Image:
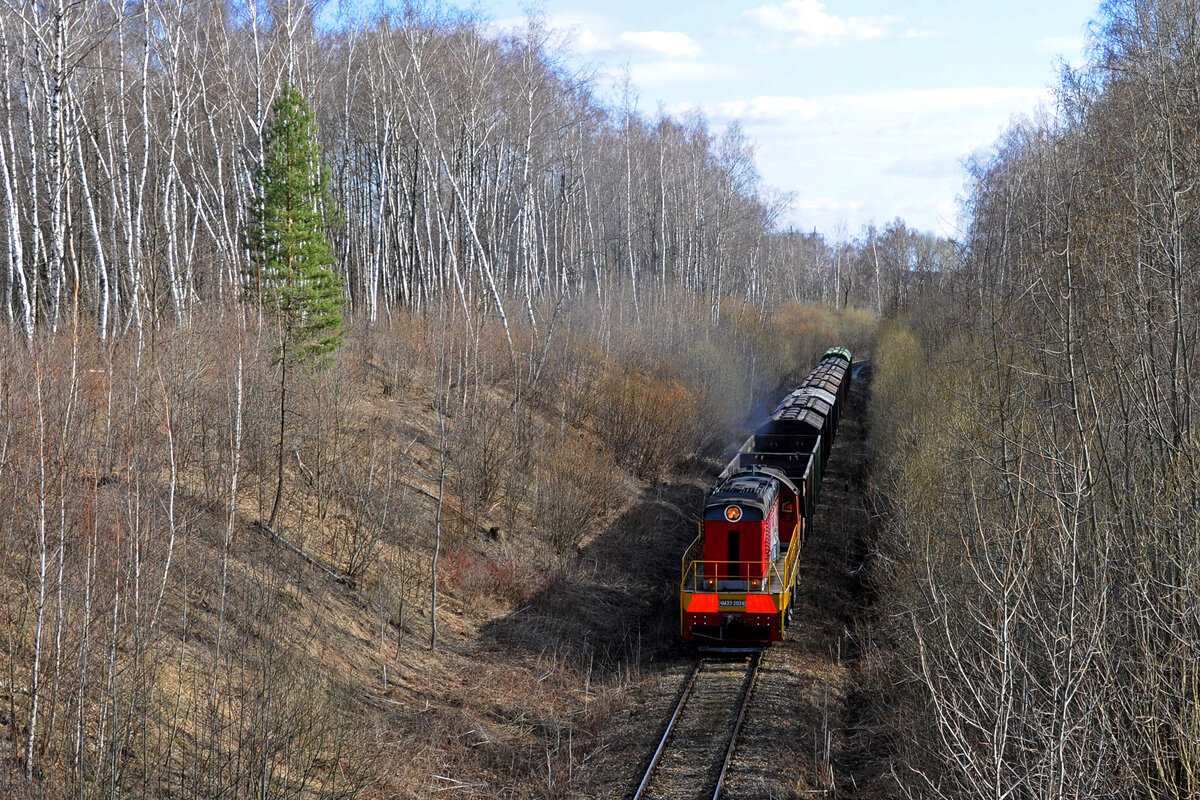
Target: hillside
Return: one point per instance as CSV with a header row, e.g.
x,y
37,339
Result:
x,y
158,637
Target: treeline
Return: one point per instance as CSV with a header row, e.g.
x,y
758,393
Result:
x,y
1038,448
467,166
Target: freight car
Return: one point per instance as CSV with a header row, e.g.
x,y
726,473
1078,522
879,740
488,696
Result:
x,y
739,575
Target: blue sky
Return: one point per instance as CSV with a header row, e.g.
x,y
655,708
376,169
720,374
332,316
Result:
x,y
863,110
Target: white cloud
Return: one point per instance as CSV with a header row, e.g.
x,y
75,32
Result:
x,y
931,167
587,41
769,110
664,71
587,33
662,43
654,58
926,101
595,35
829,205
808,24
925,112
874,155
916,33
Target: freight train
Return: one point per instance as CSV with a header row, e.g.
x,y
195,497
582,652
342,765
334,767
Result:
x,y
739,575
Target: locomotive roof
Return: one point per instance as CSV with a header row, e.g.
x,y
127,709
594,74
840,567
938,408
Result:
x,y
756,486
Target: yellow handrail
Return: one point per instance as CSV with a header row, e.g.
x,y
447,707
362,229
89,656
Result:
x,y
695,572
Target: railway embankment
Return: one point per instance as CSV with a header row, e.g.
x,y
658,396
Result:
x,y
800,730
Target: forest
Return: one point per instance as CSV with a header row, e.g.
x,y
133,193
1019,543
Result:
x,y
1040,561
230,570
402,562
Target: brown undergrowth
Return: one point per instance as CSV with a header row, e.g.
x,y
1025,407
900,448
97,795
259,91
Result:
x,y
157,638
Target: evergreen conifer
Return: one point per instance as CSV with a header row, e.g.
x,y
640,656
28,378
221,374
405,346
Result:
x,y
291,258
289,273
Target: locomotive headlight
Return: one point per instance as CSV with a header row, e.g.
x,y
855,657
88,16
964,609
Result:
x,y
733,513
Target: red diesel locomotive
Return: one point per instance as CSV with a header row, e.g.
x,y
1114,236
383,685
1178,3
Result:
x,y
739,575
740,572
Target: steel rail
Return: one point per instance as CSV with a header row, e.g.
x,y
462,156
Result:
x,y
743,703
662,745
737,726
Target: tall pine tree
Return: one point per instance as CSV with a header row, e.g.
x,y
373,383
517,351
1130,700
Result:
x,y
289,272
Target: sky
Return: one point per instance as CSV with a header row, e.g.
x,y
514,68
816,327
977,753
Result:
x,y
861,110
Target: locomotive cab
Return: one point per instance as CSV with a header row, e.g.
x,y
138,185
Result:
x,y
739,574
741,532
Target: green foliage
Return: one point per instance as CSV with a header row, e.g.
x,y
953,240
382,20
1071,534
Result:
x,y
912,418
290,267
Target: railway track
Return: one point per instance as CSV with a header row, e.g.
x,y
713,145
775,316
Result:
x,y
694,753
